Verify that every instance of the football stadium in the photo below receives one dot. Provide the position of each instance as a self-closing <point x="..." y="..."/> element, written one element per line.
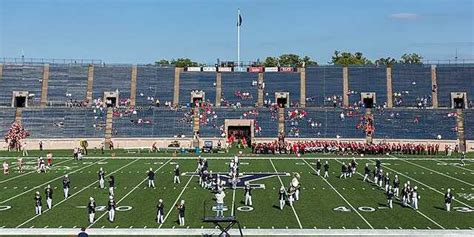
<point x="284" y="146"/>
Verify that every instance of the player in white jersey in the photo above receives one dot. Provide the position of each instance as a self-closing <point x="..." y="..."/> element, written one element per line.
<point x="5" y="168"/>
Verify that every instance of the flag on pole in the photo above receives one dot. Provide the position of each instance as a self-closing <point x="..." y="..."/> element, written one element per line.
<point x="239" y="22"/>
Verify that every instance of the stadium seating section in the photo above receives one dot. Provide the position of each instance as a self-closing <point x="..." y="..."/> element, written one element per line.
<point x="323" y="117"/>
<point x="153" y="122"/>
<point x="323" y="83"/>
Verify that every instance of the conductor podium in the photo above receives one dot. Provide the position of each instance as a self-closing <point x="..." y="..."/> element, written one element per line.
<point x="224" y="223"/>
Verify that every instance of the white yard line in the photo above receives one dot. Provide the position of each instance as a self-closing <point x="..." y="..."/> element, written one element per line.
<point x="457" y="166"/>
<point x="434" y="171"/>
<point x="176" y="201"/>
<point x="69" y="198"/>
<point x="126" y="195"/>
<point x="418" y="211"/>
<point x="343" y="198"/>
<point x="30" y="172"/>
<point x="281" y="182"/>
<point x="235" y="232"/>
<point x="233" y="203"/>
<point x="283" y="157"/>
<point x="44" y="184"/>
<point x="429" y="187"/>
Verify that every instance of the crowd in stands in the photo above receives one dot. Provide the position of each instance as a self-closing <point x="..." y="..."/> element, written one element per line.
<point x="346" y="148"/>
<point x="14" y="136"/>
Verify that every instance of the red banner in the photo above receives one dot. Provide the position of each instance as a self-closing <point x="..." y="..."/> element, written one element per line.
<point x="255" y="69"/>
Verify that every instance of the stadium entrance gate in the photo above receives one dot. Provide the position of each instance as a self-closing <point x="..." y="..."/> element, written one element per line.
<point x="240" y="128"/>
<point x="20" y="99"/>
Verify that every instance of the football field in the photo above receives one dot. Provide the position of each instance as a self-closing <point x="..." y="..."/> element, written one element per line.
<point x="330" y="204"/>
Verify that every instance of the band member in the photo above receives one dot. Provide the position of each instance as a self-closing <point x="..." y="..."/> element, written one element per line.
<point x="66" y="186"/>
<point x="101" y="175"/>
<point x="49" y="196"/>
<point x="176" y="175"/>
<point x="111" y="185"/>
<point x="181" y="209"/>
<point x="111" y="208"/>
<point x="448" y="198"/>
<point x="281" y="197"/>
<point x="151" y="178"/>
<point x="366" y="172"/>
<point x="318" y="167"/>
<point x="326" y="170"/>
<point x="91" y="209"/>
<point x="248" y="195"/>
<point x="38" y="203"/>
<point x="160" y="211"/>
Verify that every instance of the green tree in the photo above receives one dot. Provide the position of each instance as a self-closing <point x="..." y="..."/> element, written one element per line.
<point x="162" y="62"/>
<point x="347" y="58"/>
<point x="290" y="60"/>
<point x="308" y="62"/>
<point x="386" y="61"/>
<point x="271" y="62"/>
<point x="412" y="58"/>
<point x="184" y="62"/>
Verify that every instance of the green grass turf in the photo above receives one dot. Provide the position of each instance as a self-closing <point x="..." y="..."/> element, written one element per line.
<point x="315" y="209"/>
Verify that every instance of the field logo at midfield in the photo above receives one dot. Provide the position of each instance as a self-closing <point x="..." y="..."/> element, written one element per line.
<point x="245" y="178"/>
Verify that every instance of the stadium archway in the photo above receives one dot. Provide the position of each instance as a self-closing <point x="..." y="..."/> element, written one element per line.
<point x="368" y="99"/>
<point x="282" y="99"/>
<point x="20" y="99"/>
<point x="197" y="97"/>
<point x="459" y="100"/>
<point x="111" y="98"/>
<point x="240" y="128"/>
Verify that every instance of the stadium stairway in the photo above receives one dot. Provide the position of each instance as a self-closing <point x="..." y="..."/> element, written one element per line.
<point x="90" y="83"/>
<point x="18" y="115"/>
<point x="460" y="129"/>
<point x="260" y="90"/>
<point x="196" y="120"/>
<point x="44" y="86"/>
<point x="434" y="87"/>
<point x="281" y="120"/>
<point x="108" y="126"/>
<point x="368" y="137"/>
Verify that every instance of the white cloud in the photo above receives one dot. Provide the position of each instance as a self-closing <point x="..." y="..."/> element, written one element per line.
<point x="404" y="16"/>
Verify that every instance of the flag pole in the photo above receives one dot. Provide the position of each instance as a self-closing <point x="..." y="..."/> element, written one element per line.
<point x="238" y="39"/>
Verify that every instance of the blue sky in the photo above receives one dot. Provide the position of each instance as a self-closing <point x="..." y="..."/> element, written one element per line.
<point x="142" y="31"/>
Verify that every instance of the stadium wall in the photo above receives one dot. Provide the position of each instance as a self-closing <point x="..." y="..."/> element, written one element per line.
<point x="135" y="143"/>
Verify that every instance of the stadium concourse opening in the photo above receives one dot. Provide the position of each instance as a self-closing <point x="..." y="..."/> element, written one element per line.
<point x="238" y="129"/>
<point x="19" y="99"/>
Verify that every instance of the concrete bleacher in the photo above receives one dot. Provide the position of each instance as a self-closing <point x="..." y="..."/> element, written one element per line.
<point x="153" y="122"/>
<point x="266" y="119"/>
<point x="66" y="83"/>
<point x="112" y="78"/>
<point x="454" y="78"/>
<point x="323" y="82"/>
<point x="190" y="81"/>
<point x="62" y="123"/>
<point x="154" y="83"/>
<point x="7" y="117"/>
<point x="239" y="81"/>
<point x="21" y="78"/>
<point x="412" y="82"/>
<point x="282" y="82"/>
<point x="469" y="124"/>
<point x="415" y="124"/>
<point x="368" y="79"/>
<point x="324" y="123"/>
